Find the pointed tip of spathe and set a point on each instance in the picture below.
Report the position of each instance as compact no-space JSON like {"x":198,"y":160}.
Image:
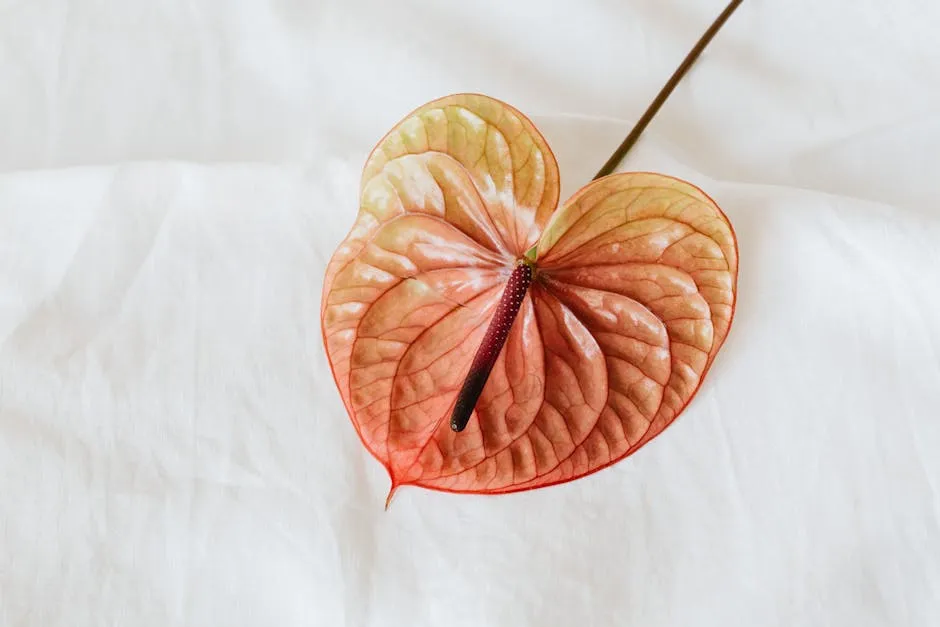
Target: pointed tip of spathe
{"x":391,"y":494}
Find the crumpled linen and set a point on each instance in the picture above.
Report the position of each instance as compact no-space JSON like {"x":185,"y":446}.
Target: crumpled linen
{"x":174,"y":177}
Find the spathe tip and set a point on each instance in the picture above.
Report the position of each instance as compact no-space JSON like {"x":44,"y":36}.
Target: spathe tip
{"x":391,"y":494}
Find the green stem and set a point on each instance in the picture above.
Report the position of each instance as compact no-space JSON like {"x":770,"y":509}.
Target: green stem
{"x":667,"y":89}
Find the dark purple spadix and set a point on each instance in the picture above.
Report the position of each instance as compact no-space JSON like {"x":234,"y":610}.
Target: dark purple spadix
{"x":491,"y":345}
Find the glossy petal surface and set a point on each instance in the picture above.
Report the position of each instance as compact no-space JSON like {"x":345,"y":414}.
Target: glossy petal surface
{"x":633,"y":295}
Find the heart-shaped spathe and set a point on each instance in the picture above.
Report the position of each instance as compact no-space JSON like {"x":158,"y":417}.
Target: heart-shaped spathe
{"x":632,"y":296}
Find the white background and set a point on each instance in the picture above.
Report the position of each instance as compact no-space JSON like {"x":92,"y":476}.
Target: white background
{"x":174,"y":175}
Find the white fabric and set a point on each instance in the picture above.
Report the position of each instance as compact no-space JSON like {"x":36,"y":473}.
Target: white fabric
{"x":174,"y":176}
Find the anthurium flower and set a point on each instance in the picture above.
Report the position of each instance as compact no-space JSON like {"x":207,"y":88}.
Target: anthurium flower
{"x":484,"y":339}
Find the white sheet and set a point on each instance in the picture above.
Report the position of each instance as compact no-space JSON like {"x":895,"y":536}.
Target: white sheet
{"x":173,"y":451}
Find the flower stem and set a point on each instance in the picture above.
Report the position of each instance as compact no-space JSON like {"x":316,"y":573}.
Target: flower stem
{"x":667,"y":89}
